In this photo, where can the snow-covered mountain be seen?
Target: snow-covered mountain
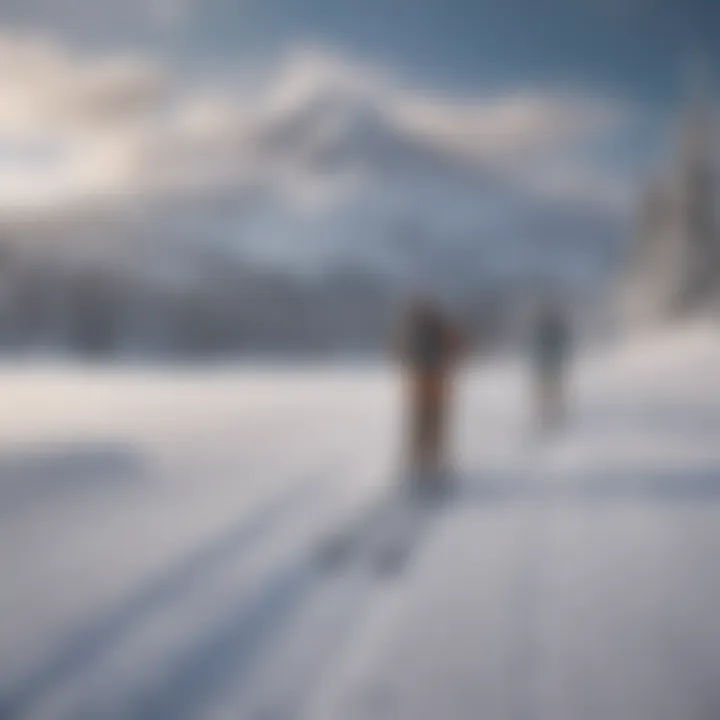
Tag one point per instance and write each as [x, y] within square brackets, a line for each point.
[333, 165]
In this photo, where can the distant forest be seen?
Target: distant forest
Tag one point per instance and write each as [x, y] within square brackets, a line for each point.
[218, 306]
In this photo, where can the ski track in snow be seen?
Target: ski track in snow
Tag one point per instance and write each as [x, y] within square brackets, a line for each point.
[161, 536]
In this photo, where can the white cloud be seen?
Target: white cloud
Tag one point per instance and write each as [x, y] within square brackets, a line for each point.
[515, 126]
[90, 115]
[47, 84]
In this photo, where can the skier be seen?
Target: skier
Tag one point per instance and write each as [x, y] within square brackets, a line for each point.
[551, 347]
[430, 346]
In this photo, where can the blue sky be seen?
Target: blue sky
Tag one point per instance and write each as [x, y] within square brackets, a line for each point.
[633, 48]
[630, 48]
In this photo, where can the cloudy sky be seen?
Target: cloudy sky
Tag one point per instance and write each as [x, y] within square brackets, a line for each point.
[320, 115]
[627, 47]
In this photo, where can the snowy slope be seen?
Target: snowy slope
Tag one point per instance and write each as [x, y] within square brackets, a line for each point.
[159, 543]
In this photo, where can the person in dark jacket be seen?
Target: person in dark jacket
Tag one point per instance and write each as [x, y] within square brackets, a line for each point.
[550, 349]
[430, 346]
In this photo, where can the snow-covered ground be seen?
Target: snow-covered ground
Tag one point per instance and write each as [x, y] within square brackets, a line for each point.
[159, 544]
